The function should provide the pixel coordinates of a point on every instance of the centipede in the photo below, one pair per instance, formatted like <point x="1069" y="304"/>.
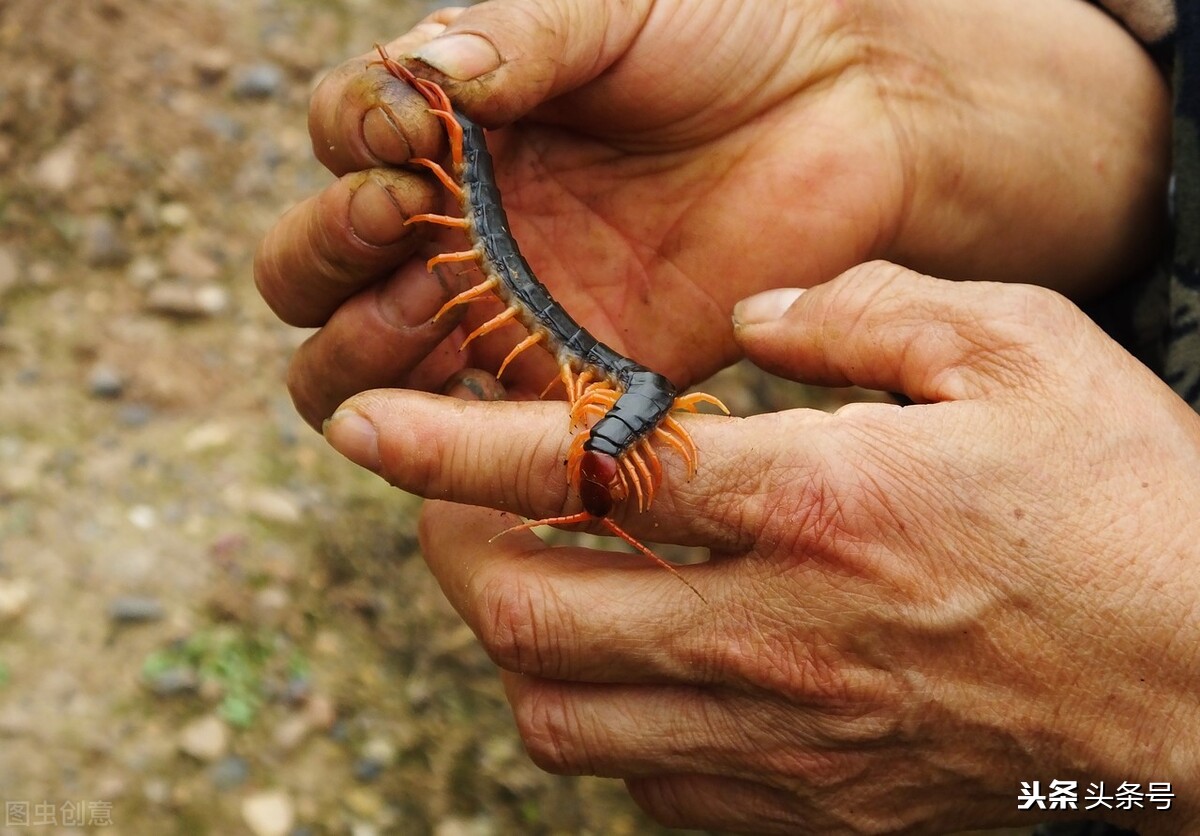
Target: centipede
<point x="620" y="408"/>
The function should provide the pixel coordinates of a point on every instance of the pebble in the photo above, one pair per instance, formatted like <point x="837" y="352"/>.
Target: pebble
<point x="143" y="271"/>
<point x="185" y="300"/>
<point x="135" y="609"/>
<point x="101" y="243"/>
<point x="367" y="770"/>
<point x="175" y="215"/>
<point x="230" y="772"/>
<point x="15" y="595"/>
<point x="321" y="712"/>
<point x="454" y="826"/>
<point x="268" y="813"/>
<point x="135" y="414"/>
<point x="105" y="382"/>
<point x="257" y="81"/>
<point x="188" y="261"/>
<point x="212" y="64"/>
<point x="290" y="732"/>
<point x="205" y="739"/>
<point x="173" y="681"/>
<point x="58" y="169"/>
<point x="273" y="506"/>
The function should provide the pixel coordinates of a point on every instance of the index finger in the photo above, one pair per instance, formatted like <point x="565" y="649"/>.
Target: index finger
<point x="513" y="456"/>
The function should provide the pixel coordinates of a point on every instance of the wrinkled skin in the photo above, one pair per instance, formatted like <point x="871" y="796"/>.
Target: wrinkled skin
<point x="909" y="610"/>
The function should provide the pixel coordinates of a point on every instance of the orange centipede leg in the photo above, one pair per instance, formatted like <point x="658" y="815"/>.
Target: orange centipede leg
<point x="679" y="446"/>
<point x="642" y="477"/>
<point x="491" y="325"/>
<point x="445" y="258"/>
<point x="690" y="402"/>
<point x="532" y="339"/>
<point x="629" y="472"/>
<point x="443" y="220"/>
<point x="646" y="449"/>
<point x="471" y="294"/>
<point x="441" y="174"/>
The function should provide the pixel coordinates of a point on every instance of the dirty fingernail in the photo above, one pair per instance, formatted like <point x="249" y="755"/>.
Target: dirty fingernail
<point x="474" y="385"/>
<point x="383" y="137"/>
<point x="375" y="218"/>
<point x="462" y="57"/>
<point x="766" y="306"/>
<point x="354" y="437"/>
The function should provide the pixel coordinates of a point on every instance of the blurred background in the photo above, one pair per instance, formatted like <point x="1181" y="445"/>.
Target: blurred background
<point x="209" y="622"/>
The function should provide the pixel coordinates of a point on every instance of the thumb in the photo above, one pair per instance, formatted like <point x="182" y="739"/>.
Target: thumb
<point x="500" y="60"/>
<point x="881" y="326"/>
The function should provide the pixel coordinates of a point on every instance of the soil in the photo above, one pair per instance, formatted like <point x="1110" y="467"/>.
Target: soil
<point x="209" y="622"/>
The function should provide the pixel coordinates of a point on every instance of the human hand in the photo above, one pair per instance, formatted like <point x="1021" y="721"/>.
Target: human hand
<point x="908" y="610"/>
<point x="661" y="160"/>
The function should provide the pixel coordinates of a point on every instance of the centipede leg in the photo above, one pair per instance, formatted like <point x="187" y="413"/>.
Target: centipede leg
<point x="441" y="174"/>
<point x="442" y="220"/>
<point x="693" y="399"/>
<point x="584" y="516"/>
<point x="491" y="325"/>
<point x="532" y="339"/>
<point x="471" y="294"/>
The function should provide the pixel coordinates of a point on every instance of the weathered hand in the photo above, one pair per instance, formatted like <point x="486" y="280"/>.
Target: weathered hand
<point x="909" y="610"/>
<point x="661" y="160"/>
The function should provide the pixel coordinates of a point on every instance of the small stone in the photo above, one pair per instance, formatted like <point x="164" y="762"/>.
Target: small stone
<point x="321" y="712"/>
<point x="105" y="382"/>
<point x="143" y="517"/>
<point x="205" y="739"/>
<point x="230" y="772"/>
<point x="101" y="243"/>
<point x="379" y="749"/>
<point x="135" y="609"/>
<point x="173" y="681"/>
<point x="273" y="506"/>
<point x="58" y="169"/>
<point x="291" y="732"/>
<point x="363" y="803"/>
<point x="212" y="64"/>
<point x="143" y="271"/>
<point x="175" y="215"/>
<point x="270" y="606"/>
<point x="187" y="301"/>
<point x="15" y="595"/>
<point x="367" y="770"/>
<point x="257" y="81"/>
<point x="454" y="826"/>
<point x="268" y="813"/>
<point x="135" y="414"/>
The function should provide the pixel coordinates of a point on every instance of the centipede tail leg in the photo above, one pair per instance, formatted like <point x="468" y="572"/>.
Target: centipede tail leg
<point x="691" y="401"/>
<point x="584" y="516"/>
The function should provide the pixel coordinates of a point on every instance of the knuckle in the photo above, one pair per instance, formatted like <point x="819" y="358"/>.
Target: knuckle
<point x="514" y="630"/>
<point x="550" y="730"/>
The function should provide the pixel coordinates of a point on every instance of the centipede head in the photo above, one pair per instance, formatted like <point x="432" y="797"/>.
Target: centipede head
<point x="599" y="483"/>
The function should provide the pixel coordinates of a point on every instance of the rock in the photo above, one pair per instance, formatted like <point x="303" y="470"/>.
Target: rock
<point x="268" y="813"/>
<point x="205" y="739"/>
<point x="135" y="414"/>
<point x="321" y="712"/>
<point x="15" y="595"/>
<point x="270" y="606"/>
<point x="175" y="215"/>
<point x="173" y="681"/>
<point x="58" y="170"/>
<point x="134" y="609"/>
<point x="143" y="271"/>
<point x="230" y="772"/>
<point x="291" y="732"/>
<point x="105" y="382"/>
<point x="367" y="770"/>
<point x="101" y="243"/>
<point x="454" y="826"/>
<point x="273" y="506"/>
<point x="257" y="81"/>
<point x="212" y="64"/>
<point x="185" y="300"/>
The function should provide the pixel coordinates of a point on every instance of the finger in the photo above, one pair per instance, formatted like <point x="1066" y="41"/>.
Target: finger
<point x="383" y="336"/>
<point x="500" y="60"/>
<point x="328" y="247"/>
<point x="361" y="117"/>
<point x="884" y="327"/>
<point x="512" y="456"/>
<point x="720" y="803"/>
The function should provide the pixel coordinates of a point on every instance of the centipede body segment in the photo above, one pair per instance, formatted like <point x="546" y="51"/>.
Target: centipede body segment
<point x="621" y="408"/>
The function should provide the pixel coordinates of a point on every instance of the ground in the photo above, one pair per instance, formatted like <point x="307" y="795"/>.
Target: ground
<point x="209" y="622"/>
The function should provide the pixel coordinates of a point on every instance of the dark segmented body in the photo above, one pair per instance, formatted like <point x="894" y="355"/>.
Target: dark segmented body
<point x="647" y="397"/>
